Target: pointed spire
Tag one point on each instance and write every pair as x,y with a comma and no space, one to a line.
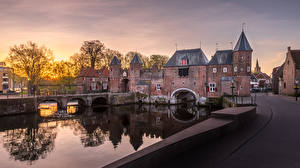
242,44
136,60
115,61
257,67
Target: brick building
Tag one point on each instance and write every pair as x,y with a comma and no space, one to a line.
6,82
290,72
188,74
88,81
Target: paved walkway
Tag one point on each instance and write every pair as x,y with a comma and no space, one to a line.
272,140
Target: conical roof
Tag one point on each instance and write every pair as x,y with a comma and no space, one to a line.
136,60
242,44
115,61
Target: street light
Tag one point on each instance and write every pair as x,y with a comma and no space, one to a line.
232,87
296,87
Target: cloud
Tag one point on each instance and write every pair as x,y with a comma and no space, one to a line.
150,26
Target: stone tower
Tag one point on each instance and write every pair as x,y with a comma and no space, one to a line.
115,75
242,56
134,73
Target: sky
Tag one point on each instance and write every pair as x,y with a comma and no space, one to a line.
153,26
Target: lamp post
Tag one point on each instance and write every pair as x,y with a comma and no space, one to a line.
232,87
296,87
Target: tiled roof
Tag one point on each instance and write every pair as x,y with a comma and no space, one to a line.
136,60
88,72
104,72
278,70
262,75
242,44
221,57
115,61
193,56
296,57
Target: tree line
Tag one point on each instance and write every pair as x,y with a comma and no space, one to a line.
36,63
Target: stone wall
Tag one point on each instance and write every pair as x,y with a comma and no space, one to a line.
122,99
17,106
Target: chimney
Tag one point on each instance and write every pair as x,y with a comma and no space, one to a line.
289,48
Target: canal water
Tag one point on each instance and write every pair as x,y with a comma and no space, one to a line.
87,137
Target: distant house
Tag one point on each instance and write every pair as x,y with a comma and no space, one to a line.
263,79
88,81
6,82
291,71
253,82
277,75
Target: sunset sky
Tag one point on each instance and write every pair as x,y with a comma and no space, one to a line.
153,27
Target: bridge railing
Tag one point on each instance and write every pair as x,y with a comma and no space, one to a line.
17,96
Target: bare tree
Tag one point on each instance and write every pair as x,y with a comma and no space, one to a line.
29,60
93,50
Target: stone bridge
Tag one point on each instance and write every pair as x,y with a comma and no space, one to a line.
83,99
17,104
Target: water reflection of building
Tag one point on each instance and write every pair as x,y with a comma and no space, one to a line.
93,129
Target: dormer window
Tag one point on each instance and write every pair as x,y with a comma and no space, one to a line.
184,61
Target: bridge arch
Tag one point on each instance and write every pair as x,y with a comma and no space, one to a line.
81,102
178,91
99,101
59,104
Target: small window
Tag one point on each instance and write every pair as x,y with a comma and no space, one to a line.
284,85
225,69
158,86
248,69
288,62
173,83
195,83
93,86
183,72
214,70
235,69
93,79
182,82
212,87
